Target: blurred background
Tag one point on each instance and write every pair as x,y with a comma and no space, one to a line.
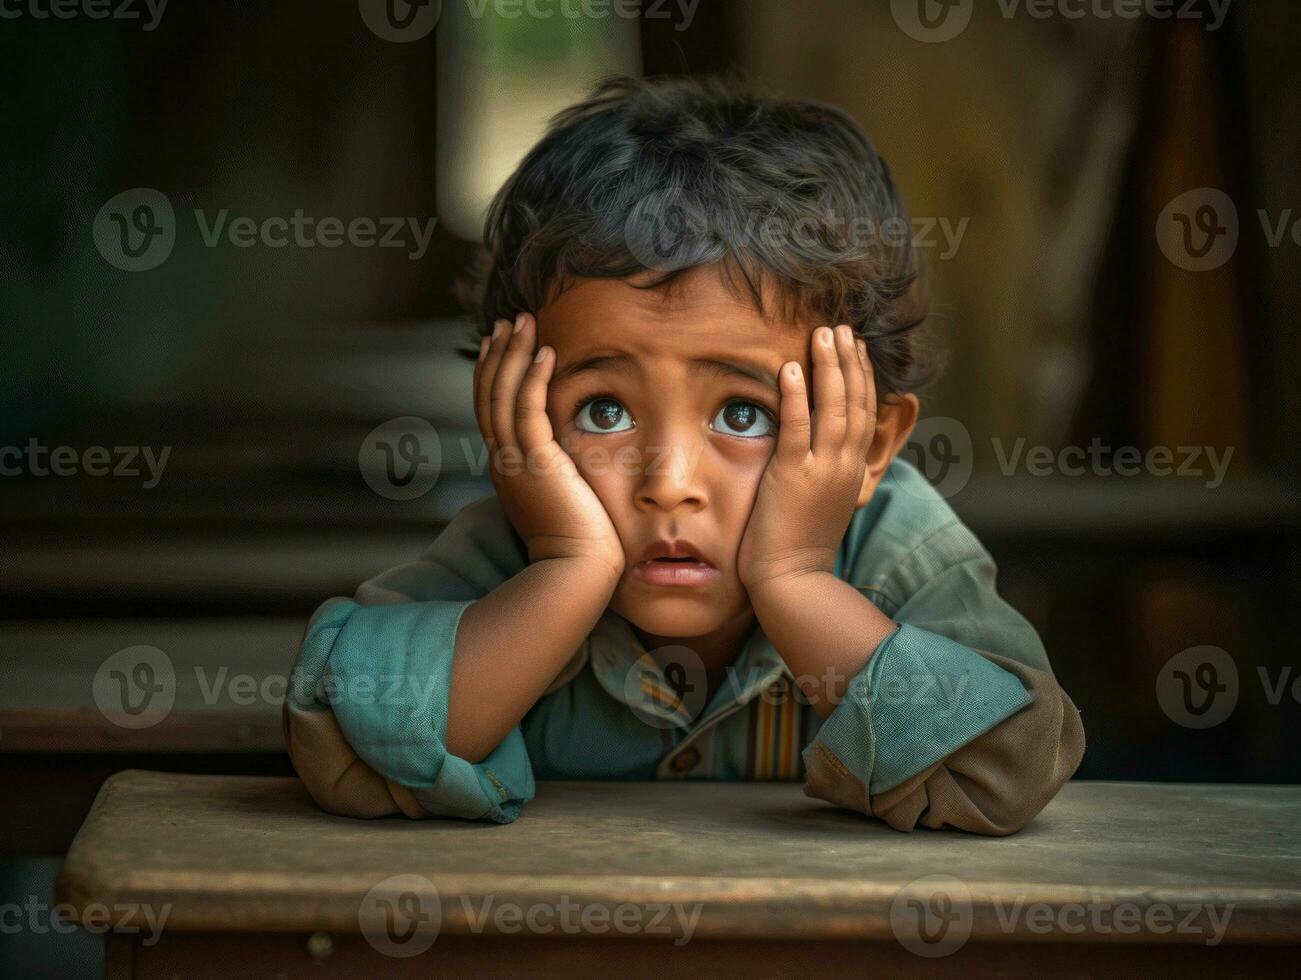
229,239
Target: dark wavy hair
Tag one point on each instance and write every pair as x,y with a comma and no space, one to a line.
651,177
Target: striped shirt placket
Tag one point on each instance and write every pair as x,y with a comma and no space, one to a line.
710,722
776,734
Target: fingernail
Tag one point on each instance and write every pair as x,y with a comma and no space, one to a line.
483,346
542,352
496,329
519,323
828,337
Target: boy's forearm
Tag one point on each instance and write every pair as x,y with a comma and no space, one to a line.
825,630
513,642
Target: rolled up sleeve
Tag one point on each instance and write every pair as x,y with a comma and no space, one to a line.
366,715
955,721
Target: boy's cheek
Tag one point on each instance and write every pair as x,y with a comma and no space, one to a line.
611,489
598,462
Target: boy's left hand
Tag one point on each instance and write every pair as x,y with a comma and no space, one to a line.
810,489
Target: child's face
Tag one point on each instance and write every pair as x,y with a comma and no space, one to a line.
674,447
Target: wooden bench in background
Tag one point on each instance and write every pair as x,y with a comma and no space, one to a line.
58,745
639,879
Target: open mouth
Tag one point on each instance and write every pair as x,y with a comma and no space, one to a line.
682,570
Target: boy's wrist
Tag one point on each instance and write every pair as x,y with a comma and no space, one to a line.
593,568
795,569
775,588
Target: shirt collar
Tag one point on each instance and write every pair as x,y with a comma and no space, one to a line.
630,675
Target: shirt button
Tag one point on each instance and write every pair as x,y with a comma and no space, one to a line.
685,760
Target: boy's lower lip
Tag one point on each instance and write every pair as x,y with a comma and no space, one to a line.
675,573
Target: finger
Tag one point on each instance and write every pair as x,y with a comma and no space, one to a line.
829,415
532,426
485,372
793,436
505,386
851,368
869,382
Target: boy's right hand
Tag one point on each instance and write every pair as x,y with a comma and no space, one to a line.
553,509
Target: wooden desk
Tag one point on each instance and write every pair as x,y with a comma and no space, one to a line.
638,879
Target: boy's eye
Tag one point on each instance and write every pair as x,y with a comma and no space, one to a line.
745,419
603,414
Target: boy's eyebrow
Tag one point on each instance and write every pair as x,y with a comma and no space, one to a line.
622,362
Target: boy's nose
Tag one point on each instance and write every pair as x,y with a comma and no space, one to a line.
671,476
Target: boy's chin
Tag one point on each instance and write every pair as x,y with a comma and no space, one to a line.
672,616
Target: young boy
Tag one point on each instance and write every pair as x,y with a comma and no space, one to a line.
703,559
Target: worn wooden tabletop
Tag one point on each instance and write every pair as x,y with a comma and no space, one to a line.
254,854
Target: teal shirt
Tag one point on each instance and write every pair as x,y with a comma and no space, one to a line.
382,662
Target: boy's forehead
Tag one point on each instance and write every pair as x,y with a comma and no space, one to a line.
699,316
